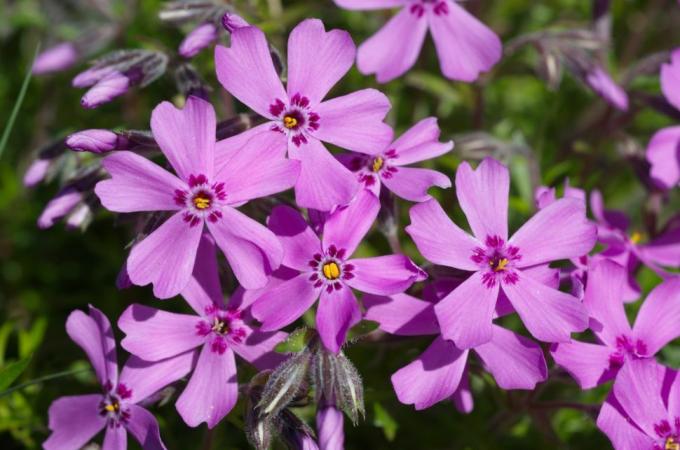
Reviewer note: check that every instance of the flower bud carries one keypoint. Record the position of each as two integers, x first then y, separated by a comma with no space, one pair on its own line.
96,141
108,88
231,22
335,377
59,206
80,217
284,384
36,172
198,39
55,59
91,76
189,82
330,424
294,432
603,85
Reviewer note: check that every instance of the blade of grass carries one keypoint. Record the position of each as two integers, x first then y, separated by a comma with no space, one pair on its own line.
17,104
53,376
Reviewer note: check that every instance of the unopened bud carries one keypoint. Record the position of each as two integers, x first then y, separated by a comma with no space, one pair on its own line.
198,39
96,141
603,85
335,377
80,217
110,87
330,427
295,433
231,22
64,202
284,384
55,59
36,172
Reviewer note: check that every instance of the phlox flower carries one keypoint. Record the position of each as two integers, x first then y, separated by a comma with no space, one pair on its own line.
213,335
465,46
387,166
298,117
655,326
560,231
663,151
643,409
325,270
201,195
75,420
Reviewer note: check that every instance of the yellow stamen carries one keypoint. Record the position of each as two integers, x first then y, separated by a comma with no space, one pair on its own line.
377,164
331,271
111,407
201,201
671,444
500,266
290,122
636,237
219,326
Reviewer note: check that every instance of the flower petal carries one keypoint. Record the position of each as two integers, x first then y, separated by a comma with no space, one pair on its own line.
440,240
258,349
384,275
369,4
317,59
355,121
514,361
93,333
465,314
483,195
670,79
623,434
247,71
137,185
337,312
394,49
323,182
166,257
204,289
658,318
663,153
549,315
559,231
431,378
462,398
299,242
252,251
235,146
413,183
186,136
74,421
419,143
401,314
144,427
154,335
587,363
147,378
115,438
285,302
347,225
212,390
465,45
665,248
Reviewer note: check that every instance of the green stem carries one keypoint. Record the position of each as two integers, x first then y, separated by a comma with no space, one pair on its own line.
43,379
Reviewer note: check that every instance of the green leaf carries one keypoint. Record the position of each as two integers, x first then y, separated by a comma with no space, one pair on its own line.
296,341
11,372
30,340
361,329
383,419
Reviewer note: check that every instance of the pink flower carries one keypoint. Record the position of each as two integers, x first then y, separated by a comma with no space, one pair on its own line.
465,46
200,195
560,231
299,118
386,165
56,59
323,268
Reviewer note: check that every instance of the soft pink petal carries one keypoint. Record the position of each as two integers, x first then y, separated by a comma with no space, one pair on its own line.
623,434
204,289
670,79
238,146
252,251
285,302
299,242
212,390
672,378
587,363
369,4
394,49
663,153
412,183
658,318
664,249
483,195
465,45
144,427
323,182
317,59
74,421
347,225
465,314
115,438
61,205
186,136
419,143
355,121
560,231
549,315
243,299
247,71
385,275
440,240
146,378
93,333
166,257
462,398
153,334
514,361
258,349
337,312
401,314
431,378
137,184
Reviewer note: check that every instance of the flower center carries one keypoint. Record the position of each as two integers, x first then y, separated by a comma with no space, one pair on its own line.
496,260
331,270
636,237
114,406
290,122
202,200
377,164
498,264
220,326
672,444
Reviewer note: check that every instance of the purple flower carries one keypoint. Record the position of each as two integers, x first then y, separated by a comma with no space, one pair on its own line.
95,141
593,364
198,39
55,59
111,86
663,151
200,195
62,204
325,270
465,46
298,116
440,373
330,427
603,85
560,231
386,166
643,409
77,419
212,335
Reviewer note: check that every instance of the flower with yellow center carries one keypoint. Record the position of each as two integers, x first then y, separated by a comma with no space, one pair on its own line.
499,266
331,270
377,164
635,238
112,407
672,444
290,122
201,201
